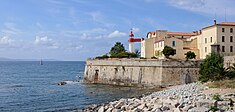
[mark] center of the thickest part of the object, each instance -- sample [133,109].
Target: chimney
[214,21]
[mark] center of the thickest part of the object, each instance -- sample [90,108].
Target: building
[217,37]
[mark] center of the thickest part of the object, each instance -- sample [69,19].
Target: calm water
[29,86]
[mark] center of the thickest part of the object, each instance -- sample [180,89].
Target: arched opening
[96,78]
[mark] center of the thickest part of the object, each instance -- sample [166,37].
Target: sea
[27,86]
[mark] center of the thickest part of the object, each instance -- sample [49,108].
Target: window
[205,40]
[223,30]
[205,49]
[231,30]
[231,38]
[223,48]
[182,37]
[173,43]
[211,40]
[223,40]
[161,44]
[231,48]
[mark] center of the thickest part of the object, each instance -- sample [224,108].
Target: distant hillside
[4,59]
[9,59]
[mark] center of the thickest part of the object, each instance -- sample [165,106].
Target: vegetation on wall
[119,51]
[168,51]
[158,53]
[212,69]
[190,55]
[102,57]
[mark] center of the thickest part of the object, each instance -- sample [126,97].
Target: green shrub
[216,97]
[142,58]
[214,108]
[102,57]
[231,72]
[120,55]
[190,55]
[124,55]
[167,51]
[153,57]
[212,68]
[132,55]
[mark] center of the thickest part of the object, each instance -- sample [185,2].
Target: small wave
[71,82]
[14,86]
[68,82]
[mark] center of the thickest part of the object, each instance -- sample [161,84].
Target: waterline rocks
[62,83]
[67,82]
[184,98]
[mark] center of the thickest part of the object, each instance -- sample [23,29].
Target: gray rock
[199,109]
[119,104]
[101,109]
[164,108]
[116,110]
[186,108]
[142,106]
[156,110]
[206,103]
[109,110]
[137,110]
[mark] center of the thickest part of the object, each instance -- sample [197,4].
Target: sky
[79,29]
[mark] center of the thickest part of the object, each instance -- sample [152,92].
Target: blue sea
[29,87]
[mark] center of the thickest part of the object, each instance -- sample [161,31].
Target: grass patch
[222,84]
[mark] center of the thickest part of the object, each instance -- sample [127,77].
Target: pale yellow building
[217,37]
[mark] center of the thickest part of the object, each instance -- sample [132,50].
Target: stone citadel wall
[139,72]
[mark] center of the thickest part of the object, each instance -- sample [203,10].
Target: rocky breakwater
[184,98]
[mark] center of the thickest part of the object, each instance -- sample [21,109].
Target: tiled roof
[222,24]
[227,23]
[189,48]
[159,40]
[181,33]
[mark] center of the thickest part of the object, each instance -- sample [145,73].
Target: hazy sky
[78,29]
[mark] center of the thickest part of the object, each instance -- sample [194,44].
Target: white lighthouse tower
[131,42]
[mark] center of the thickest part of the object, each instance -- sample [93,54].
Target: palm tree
[220,72]
[137,52]
[231,73]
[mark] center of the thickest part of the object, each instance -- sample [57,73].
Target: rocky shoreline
[183,98]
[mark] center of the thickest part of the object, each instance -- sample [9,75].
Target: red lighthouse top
[131,34]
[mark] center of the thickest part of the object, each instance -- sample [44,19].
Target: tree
[212,68]
[117,48]
[190,55]
[167,51]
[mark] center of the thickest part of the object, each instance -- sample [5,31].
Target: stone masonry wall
[137,72]
[229,60]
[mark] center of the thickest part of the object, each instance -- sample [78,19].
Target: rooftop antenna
[215,13]
[225,14]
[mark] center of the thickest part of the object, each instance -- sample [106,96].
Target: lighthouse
[131,41]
